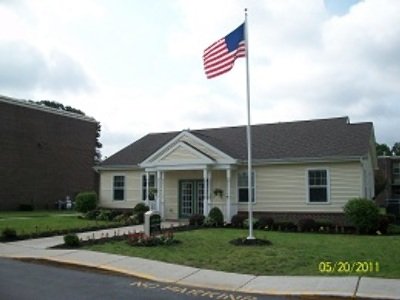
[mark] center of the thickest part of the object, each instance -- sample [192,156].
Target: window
[119,187]
[243,191]
[318,186]
[396,168]
[396,173]
[152,185]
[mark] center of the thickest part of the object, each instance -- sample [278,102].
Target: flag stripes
[220,57]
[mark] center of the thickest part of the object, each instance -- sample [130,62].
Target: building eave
[297,160]
[117,168]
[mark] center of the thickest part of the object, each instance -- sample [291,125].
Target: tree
[380,182]
[97,155]
[57,105]
[383,150]
[396,149]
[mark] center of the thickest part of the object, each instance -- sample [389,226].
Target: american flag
[220,57]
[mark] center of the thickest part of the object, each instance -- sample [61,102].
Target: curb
[146,277]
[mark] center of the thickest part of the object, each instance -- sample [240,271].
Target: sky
[136,66]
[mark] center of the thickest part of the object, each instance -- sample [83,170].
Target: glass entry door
[191,198]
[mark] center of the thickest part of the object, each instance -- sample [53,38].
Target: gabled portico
[188,163]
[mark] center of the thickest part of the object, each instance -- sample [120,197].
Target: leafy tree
[380,181]
[396,149]
[383,149]
[97,155]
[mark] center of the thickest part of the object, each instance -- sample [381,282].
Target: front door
[191,198]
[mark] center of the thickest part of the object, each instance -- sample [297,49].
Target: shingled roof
[322,138]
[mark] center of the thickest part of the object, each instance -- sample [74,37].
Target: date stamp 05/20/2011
[355,267]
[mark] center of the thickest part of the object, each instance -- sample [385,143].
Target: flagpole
[249,162]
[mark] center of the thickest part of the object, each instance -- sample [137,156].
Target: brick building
[46,154]
[389,167]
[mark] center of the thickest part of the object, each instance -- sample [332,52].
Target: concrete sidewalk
[363,287]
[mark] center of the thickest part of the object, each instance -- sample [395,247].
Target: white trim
[158,186]
[226,158]
[302,160]
[328,185]
[117,168]
[209,185]
[178,168]
[228,196]
[147,174]
[203,158]
[205,192]
[147,188]
[163,194]
[154,159]
[254,181]
[113,188]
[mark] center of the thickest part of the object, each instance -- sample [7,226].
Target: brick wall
[44,156]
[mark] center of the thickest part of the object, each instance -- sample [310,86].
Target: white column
[162,194]
[228,196]
[147,188]
[209,191]
[158,190]
[205,192]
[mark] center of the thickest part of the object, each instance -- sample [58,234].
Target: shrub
[92,214]
[209,222]
[250,242]
[324,226]
[363,213]
[237,221]
[307,225]
[86,201]
[104,215]
[9,234]
[393,229]
[383,223]
[121,218]
[391,218]
[139,239]
[216,216]
[71,240]
[285,226]
[265,223]
[256,223]
[138,212]
[196,220]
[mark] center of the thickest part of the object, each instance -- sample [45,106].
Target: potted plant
[152,193]
[218,192]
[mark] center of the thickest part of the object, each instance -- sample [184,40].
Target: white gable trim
[202,158]
[226,157]
[157,156]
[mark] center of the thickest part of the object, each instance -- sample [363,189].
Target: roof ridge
[254,125]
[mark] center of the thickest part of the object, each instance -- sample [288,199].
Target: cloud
[64,74]
[145,62]
[23,66]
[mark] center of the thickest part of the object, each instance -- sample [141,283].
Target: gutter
[297,160]
[117,168]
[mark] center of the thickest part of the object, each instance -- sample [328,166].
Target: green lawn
[290,254]
[39,221]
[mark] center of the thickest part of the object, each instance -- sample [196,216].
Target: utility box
[152,222]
